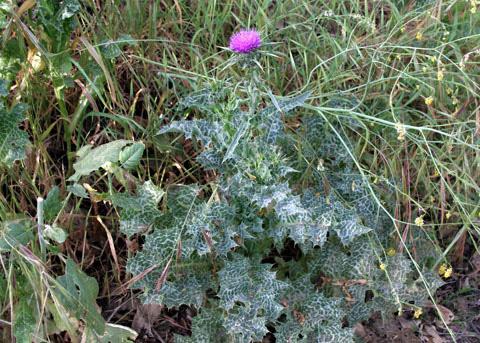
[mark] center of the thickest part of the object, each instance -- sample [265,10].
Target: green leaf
[78,190]
[3,88]
[333,333]
[131,155]
[201,130]
[348,229]
[25,322]
[13,141]
[245,325]
[272,115]
[206,328]
[14,233]
[77,292]
[55,233]
[69,8]
[52,204]
[188,288]
[256,288]
[202,99]
[90,160]
[138,211]
[113,48]
[311,315]
[242,130]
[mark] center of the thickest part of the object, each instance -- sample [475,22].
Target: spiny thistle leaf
[202,99]
[244,325]
[138,211]
[256,288]
[311,315]
[207,327]
[272,115]
[202,130]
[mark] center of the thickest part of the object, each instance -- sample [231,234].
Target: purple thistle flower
[245,41]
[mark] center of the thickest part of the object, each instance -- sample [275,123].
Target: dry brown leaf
[447,315]
[430,333]
[145,317]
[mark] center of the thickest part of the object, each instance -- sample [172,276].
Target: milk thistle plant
[219,246]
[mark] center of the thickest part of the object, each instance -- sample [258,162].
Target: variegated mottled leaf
[138,211]
[13,141]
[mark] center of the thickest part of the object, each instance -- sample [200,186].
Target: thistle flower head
[245,41]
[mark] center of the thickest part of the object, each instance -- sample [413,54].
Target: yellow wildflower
[442,269]
[440,75]
[401,131]
[449,91]
[391,252]
[433,59]
[419,221]
[382,266]
[448,272]
[418,312]
[473,10]
[429,101]
[419,36]
[448,215]
[402,29]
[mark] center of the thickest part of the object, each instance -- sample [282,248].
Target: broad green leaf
[131,155]
[14,233]
[13,141]
[78,190]
[93,159]
[77,293]
[25,322]
[55,233]
[52,204]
